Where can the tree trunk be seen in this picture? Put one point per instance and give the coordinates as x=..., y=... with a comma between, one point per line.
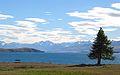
x=99, y=58
x=99, y=61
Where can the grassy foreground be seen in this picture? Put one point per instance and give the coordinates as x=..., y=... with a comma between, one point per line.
x=50, y=69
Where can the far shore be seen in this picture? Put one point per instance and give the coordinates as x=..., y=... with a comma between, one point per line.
x=43, y=64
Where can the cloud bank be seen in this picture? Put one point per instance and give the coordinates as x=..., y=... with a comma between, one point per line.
x=108, y=18
x=27, y=31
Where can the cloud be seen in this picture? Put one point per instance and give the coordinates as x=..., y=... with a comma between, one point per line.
x=110, y=29
x=59, y=35
x=25, y=24
x=31, y=22
x=116, y=39
x=95, y=18
x=3, y=17
x=22, y=32
x=116, y=5
x=48, y=13
x=60, y=19
x=45, y=23
x=37, y=20
x=84, y=28
x=28, y=32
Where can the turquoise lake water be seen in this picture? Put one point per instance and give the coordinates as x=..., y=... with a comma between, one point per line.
x=55, y=58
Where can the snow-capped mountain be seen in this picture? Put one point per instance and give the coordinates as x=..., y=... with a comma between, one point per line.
x=47, y=46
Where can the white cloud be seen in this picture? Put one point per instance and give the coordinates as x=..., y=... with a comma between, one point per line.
x=37, y=20
x=3, y=17
x=95, y=18
x=25, y=23
x=96, y=13
x=27, y=31
x=60, y=19
x=31, y=22
x=116, y=5
x=84, y=28
x=46, y=23
x=48, y=13
x=15, y=33
x=110, y=29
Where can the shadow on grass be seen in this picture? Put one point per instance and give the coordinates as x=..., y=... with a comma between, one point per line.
x=86, y=65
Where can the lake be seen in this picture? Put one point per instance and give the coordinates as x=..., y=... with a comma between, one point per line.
x=55, y=58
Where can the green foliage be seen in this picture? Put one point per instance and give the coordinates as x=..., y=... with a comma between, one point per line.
x=101, y=48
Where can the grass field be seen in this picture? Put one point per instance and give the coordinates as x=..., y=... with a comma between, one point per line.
x=55, y=69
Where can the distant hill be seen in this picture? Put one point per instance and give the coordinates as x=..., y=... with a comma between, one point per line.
x=48, y=46
x=19, y=50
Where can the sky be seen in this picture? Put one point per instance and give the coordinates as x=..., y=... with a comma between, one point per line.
x=58, y=21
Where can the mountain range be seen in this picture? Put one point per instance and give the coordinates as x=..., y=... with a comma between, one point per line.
x=48, y=46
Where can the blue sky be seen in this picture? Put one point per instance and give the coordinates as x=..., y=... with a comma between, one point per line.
x=29, y=21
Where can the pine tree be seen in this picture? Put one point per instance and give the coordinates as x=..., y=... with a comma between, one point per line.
x=101, y=48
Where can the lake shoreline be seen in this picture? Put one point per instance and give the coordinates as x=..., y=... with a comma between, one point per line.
x=8, y=68
x=42, y=64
